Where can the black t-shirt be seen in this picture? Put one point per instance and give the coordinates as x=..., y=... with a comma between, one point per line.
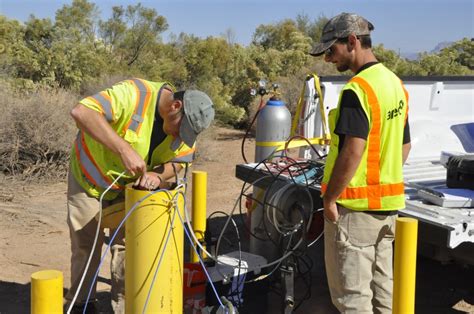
x=157, y=133
x=352, y=118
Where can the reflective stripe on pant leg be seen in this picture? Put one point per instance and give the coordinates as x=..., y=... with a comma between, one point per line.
x=383, y=274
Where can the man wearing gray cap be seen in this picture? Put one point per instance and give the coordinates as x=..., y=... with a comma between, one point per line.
x=362, y=186
x=136, y=131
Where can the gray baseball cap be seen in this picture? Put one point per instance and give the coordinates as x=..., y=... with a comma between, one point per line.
x=198, y=115
x=341, y=26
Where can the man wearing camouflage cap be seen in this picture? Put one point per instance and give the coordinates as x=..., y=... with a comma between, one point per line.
x=362, y=186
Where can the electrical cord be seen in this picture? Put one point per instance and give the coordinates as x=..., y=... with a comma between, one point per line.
x=238, y=241
x=132, y=209
x=270, y=175
x=275, y=178
x=196, y=241
x=278, y=261
x=184, y=227
x=305, y=139
x=239, y=265
x=265, y=202
x=242, y=148
x=269, y=188
x=93, y=246
x=116, y=232
x=303, y=277
x=197, y=253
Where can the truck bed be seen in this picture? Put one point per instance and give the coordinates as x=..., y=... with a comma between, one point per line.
x=450, y=224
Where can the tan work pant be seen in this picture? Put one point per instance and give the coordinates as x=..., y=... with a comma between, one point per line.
x=358, y=256
x=82, y=210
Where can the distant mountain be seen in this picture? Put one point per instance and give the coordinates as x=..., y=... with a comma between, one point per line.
x=441, y=46
x=412, y=56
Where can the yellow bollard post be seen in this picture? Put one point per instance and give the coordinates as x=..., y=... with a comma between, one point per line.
x=199, y=209
x=406, y=236
x=146, y=231
x=47, y=292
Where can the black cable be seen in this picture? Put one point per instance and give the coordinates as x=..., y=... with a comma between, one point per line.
x=300, y=170
x=239, y=265
x=268, y=189
x=242, y=148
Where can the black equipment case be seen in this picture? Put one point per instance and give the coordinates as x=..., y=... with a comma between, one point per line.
x=460, y=172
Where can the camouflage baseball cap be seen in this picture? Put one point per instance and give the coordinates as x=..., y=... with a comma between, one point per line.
x=341, y=26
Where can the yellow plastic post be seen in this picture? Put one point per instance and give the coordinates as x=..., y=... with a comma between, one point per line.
x=405, y=266
x=199, y=209
x=146, y=231
x=47, y=292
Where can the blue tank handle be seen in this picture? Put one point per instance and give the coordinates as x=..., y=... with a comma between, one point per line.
x=275, y=103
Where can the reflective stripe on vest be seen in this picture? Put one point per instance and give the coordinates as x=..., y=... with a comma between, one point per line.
x=104, y=102
x=141, y=105
x=186, y=156
x=373, y=156
x=363, y=192
x=89, y=167
x=373, y=191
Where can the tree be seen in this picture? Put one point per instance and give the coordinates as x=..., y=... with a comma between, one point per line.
x=277, y=36
x=312, y=29
x=78, y=21
x=113, y=30
x=393, y=61
x=443, y=63
x=463, y=52
x=145, y=27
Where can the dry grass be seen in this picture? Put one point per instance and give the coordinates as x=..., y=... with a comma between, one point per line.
x=36, y=133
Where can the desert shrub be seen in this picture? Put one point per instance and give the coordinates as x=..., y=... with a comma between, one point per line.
x=36, y=132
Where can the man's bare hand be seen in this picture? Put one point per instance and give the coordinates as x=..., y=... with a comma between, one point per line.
x=330, y=211
x=133, y=162
x=148, y=181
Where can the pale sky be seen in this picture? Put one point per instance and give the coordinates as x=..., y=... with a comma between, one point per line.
x=401, y=25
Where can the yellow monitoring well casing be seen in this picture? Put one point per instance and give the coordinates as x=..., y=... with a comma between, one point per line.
x=199, y=214
x=404, y=275
x=146, y=231
x=47, y=292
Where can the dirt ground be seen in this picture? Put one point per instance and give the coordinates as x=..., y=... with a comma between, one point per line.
x=34, y=236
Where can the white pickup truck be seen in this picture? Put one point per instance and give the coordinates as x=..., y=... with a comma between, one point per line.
x=441, y=116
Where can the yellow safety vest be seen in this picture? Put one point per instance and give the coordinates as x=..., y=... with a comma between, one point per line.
x=378, y=181
x=129, y=107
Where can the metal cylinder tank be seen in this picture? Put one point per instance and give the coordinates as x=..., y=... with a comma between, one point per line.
x=273, y=128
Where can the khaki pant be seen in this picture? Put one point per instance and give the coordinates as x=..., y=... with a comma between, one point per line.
x=82, y=210
x=358, y=256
